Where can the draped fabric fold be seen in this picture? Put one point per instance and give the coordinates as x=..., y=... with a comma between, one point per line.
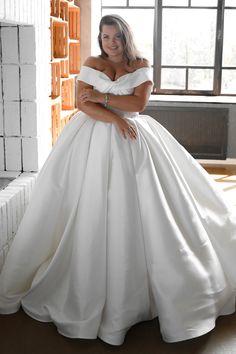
x=120, y=231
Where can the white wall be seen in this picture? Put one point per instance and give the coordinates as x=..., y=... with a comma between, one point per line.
x=25, y=112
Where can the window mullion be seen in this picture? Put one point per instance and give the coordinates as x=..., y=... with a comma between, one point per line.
x=186, y=78
x=157, y=44
x=219, y=48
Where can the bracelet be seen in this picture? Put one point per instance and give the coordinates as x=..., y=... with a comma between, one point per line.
x=106, y=99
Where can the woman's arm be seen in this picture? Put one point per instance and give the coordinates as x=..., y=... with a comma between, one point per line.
x=94, y=109
x=128, y=103
x=98, y=112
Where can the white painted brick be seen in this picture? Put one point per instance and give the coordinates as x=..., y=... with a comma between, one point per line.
x=27, y=44
x=13, y=202
x=21, y=208
x=30, y=154
x=2, y=167
x=9, y=37
x=29, y=119
x=13, y=154
x=1, y=256
x=2, y=8
x=7, y=174
x=8, y=9
x=0, y=83
x=8, y=24
x=28, y=82
x=22, y=12
x=10, y=82
x=34, y=13
x=3, y=225
x=12, y=118
x=32, y=7
x=1, y=119
x=9, y=220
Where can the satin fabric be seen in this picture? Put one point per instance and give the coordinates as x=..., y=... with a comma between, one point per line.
x=120, y=231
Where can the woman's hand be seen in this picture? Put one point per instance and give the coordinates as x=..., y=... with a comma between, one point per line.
x=91, y=95
x=126, y=128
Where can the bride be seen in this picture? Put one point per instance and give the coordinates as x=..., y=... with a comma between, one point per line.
x=123, y=224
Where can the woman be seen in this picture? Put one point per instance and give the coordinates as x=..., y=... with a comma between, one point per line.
x=123, y=224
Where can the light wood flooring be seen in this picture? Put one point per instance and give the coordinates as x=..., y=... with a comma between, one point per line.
x=226, y=178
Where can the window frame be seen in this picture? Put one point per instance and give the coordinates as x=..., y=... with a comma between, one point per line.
x=157, y=49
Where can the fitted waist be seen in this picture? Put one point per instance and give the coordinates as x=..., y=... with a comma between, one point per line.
x=123, y=114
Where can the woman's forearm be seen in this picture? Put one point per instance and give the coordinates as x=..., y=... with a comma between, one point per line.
x=98, y=112
x=127, y=103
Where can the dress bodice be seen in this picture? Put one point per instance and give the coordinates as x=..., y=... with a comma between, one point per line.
x=124, y=85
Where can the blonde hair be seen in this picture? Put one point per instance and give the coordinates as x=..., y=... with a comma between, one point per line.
x=131, y=53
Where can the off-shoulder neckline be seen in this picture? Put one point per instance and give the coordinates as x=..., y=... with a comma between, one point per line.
x=108, y=77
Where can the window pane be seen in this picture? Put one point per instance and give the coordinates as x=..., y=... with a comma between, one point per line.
x=200, y=79
x=143, y=34
x=175, y=3
x=231, y=3
x=204, y=3
x=142, y=3
x=173, y=79
x=228, y=84
x=229, y=43
x=114, y=2
x=184, y=41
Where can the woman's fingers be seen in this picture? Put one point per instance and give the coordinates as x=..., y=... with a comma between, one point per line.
x=129, y=131
x=132, y=132
x=85, y=95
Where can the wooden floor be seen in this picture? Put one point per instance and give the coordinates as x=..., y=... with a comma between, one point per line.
x=20, y=334
x=226, y=179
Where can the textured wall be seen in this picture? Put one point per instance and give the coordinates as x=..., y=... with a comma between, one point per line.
x=25, y=116
x=25, y=111
x=13, y=202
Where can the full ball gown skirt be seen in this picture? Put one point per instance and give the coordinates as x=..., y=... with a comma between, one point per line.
x=119, y=231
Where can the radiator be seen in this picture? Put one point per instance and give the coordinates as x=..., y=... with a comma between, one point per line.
x=202, y=131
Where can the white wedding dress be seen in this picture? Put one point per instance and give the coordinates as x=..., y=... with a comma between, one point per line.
x=120, y=231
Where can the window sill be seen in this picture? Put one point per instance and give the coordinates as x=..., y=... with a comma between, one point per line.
x=227, y=163
x=192, y=99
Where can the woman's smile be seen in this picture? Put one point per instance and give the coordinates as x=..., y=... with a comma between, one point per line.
x=112, y=40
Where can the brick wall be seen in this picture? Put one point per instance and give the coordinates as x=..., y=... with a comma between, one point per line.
x=25, y=110
x=25, y=117
x=13, y=202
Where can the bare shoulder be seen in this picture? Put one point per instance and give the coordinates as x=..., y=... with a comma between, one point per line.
x=141, y=63
x=93, y=62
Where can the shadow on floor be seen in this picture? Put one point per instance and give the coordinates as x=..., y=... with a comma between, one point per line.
x=21, y=334
x=4, y=182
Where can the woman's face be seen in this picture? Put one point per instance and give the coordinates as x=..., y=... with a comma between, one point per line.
x=112, y=41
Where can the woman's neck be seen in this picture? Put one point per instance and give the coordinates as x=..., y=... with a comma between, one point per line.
x=116, y=60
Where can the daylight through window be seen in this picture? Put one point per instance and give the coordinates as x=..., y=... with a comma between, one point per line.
x=191, y=44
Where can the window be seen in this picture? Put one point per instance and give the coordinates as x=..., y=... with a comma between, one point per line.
x=190, y=44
